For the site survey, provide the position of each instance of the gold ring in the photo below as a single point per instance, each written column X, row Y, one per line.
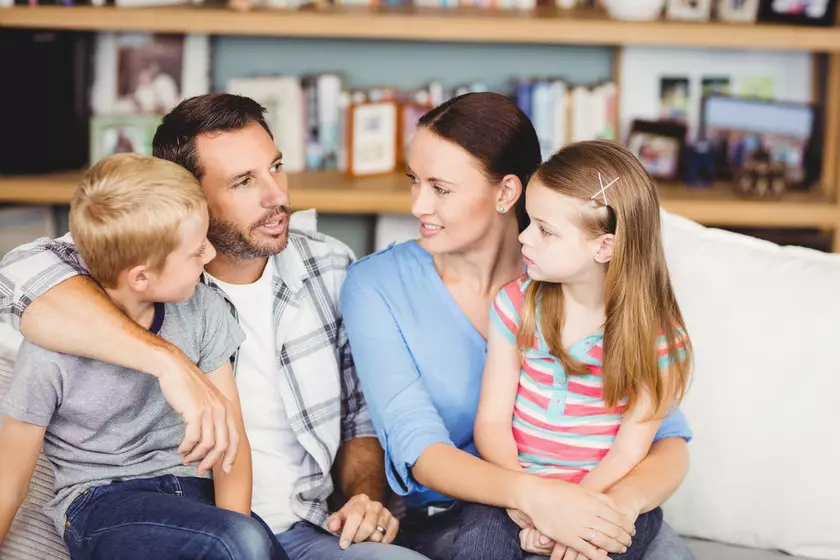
column 380, row 529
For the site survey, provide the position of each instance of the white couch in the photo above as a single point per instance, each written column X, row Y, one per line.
column 765, row 322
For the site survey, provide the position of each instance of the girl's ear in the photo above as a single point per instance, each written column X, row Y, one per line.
column 510, row 189
column 605, row 248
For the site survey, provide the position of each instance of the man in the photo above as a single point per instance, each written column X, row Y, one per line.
column 303, row 409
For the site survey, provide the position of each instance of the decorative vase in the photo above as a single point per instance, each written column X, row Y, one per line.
column 634, row 10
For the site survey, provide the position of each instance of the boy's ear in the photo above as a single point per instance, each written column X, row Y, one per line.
column 137, row 278
column 605, row 248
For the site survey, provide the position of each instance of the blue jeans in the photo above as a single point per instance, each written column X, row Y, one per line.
column 304, row 541
column 436, row 536
column 487, row 533
column 163, row 517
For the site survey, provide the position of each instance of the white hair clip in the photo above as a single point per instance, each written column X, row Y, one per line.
column 603, row 191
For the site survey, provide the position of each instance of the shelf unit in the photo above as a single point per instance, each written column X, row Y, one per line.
column 335, row 193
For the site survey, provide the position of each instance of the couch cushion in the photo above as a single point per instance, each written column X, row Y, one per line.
column 32, row 534
column 765, row 323
column 708, row 550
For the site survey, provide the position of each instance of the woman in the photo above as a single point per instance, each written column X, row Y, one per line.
column 417, row 316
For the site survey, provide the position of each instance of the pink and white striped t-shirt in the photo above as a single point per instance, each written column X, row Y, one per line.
column 561, row 425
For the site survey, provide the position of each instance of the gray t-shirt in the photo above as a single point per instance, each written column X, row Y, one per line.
column 105, row 422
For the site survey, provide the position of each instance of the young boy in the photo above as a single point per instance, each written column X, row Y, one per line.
column 122, row 488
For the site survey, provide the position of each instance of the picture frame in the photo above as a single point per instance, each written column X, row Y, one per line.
column 659, row 146
column 790, row 132
column 738, row 11
column 148, row 73
column 115, row 134
column 372, row 131
column 410, row 113
column 692, row 10
column 820, row 13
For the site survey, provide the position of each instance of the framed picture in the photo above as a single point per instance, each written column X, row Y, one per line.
column 143, row 73
column 410, row 113
column 789, row 133
column 674, row 98
column 372, row 138
column 699, row 10
column 737, row 11
column 659, row 146
column 798, row 12
column 121, row 134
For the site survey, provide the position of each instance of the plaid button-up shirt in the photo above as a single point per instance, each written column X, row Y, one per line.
column 320, row 390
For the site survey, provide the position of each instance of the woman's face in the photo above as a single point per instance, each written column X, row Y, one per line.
column 451, row 196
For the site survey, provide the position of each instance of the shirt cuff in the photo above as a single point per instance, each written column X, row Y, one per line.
column 674, row 425
column 400, row 457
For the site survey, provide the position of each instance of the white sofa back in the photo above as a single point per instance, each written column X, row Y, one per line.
column 765, row 324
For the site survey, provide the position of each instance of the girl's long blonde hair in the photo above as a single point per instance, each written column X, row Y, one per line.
column 640, row 302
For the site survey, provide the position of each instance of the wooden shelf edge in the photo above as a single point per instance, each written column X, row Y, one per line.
column 333, row 193
column 456, row 25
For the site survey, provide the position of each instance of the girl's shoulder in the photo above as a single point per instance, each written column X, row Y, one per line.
column 513, row 294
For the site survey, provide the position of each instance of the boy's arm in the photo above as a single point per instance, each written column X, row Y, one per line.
column 631, row 445
column 233, row 489
column 493, row 422
column 20, row 444
column 46, row 292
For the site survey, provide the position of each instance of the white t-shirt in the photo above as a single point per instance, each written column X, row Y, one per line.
column 276, row 453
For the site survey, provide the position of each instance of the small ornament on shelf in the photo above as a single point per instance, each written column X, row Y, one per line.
column 761, row 177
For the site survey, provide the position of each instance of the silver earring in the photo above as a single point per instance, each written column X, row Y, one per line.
column 501, row 209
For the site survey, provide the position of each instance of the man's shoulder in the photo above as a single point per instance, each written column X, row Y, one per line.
column 316, row 248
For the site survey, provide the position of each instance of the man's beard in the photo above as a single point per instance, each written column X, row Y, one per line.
column 233, row 242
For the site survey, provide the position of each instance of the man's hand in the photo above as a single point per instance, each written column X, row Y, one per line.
column 211, row 433
column 360, row 520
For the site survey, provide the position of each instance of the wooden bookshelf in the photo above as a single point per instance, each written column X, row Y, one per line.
column 336, row 193
column 544, row 26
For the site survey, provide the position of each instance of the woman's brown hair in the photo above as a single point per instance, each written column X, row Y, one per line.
column 494, row 131
column 640, row 303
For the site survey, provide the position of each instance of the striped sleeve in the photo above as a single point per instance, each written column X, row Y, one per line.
column 504, row 313
column 665, row 358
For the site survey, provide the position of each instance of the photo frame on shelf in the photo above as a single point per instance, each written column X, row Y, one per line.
column 693, row 10
column 737, row 11
column 798, row 12
column 410, row 113
column 789, row 133
column 372, row 138
column 148, row 73
column 117, row 134
column 659, row 146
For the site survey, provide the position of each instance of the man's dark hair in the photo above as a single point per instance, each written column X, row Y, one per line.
column 214, row 112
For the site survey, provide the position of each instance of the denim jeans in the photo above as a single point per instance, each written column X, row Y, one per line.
column 304, row 541
column 163, row 517
column 439, row 537
column 488, row 533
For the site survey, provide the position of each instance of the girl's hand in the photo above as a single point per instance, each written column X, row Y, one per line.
column 574, row 517
column 534, row 542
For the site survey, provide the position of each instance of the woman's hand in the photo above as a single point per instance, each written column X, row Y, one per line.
column 626, row 503
column 534, row 542
column 573, row 517
column 522, row 521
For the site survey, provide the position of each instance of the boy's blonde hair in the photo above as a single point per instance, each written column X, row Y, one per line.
column 641, row 307
column 127, row 210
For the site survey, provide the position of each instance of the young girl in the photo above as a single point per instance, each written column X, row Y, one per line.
column 588, row 351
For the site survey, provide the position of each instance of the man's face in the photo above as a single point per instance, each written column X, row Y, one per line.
column 247, row 192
